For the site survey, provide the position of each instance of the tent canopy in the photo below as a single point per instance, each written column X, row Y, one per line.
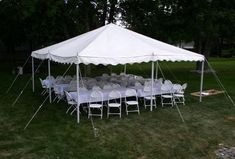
column 112, row 44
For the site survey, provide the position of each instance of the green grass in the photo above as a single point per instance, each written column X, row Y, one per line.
column 157, row 134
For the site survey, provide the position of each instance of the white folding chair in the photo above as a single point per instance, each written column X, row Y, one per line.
column 105, row 75
column 184, row 86
column 147, row 83
column 160, row 80
column 147, row 98
column 83, row 88
column 95, row 103
column 114, row 101
column 167, row 82
column 71, row 102
column 107, row 87
column 116, row 86
column 113, row 74
column 96, row 88
column 179, row 93
column 138, row 84
column 124, row 83
column 44, row 91
column 58, row 94
column 131, row 100
column 166, row 95
column 68, row 78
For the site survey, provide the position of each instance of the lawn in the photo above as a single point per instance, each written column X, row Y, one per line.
column 158, row 134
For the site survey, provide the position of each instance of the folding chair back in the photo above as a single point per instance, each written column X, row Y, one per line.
column 96, row 88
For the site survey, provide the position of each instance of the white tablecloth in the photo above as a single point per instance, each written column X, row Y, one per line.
column 141, row 93
column 60, row 88
column 84, row 96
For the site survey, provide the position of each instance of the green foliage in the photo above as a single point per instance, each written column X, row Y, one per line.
column 209, row 23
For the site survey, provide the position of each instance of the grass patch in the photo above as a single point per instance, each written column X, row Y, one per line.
column 157, row 134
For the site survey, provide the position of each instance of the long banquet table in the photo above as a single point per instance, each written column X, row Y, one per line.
column 84, row 96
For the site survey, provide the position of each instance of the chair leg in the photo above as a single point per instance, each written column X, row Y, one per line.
column 108, row 112
column 101, row 112
column 138, row 108
column 73, row 111
column 89, row 112
column 54, row 99
column 69, row 109
column 162, row 100
column 59, row 100
column 144, row 103
column 126, row 109
column 120, row 111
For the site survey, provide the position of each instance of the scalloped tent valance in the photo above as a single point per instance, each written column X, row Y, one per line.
column 113, row 45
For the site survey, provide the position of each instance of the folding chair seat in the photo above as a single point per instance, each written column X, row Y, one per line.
column 116, row 86
column 114, row 102
column 107, row 87
column 131, row 100
column 167, row 95
column 44, row 91
column 71, row 102
column 95, row 103
column 148, row 98
column 179, row 93
column 96, row 88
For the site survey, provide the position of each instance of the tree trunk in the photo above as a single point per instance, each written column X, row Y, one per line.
column 204, row 48
column 112, row 11
column 104, row 14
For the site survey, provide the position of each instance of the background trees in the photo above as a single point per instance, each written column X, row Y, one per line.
column 37, row 23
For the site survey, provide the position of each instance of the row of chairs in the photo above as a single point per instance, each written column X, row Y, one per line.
column 131, row 101
column 175, row 94
column 114, row 102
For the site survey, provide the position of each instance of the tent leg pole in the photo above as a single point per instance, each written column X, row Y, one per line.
column 156, row 70
column 201, row 84
column 33, row 88
column 125, row 68
column 152, row 76
column 49, row 74
column 78, row 112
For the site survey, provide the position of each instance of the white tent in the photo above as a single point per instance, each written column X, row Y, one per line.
column 113, row 45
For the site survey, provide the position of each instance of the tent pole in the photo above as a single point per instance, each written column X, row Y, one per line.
column 156, row 70
column 152, row 76
column 49, row 74
column 33, row 74
column 201, row 84
column 125, row 68
column 78, row 115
